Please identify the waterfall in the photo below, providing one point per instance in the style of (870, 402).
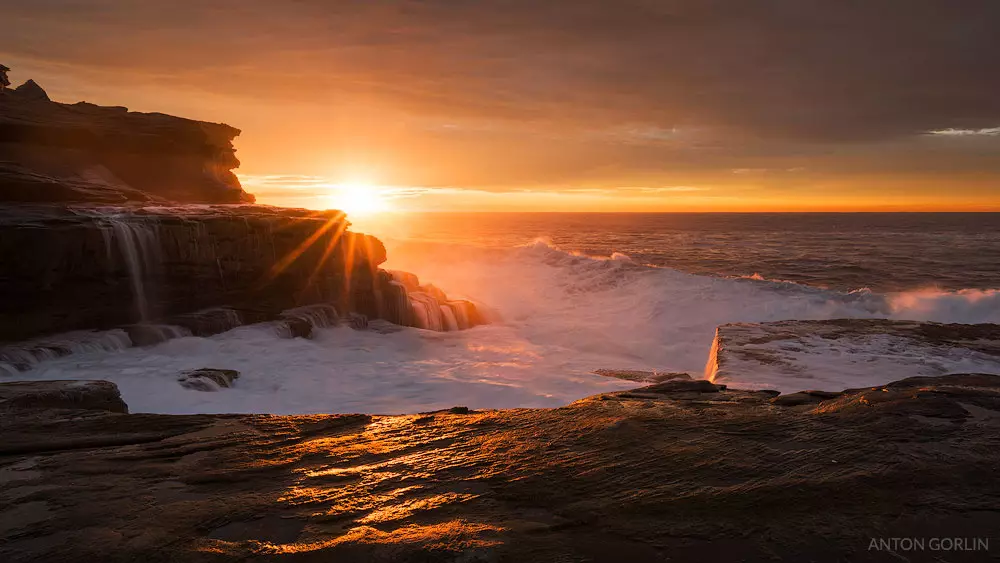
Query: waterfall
(420, 317)
(209, 321)
(427, 310)
(26, 355)
(140, 247)
(461, 314)
(149, 334)
(450, 321)
(396, 304)
(319, 316)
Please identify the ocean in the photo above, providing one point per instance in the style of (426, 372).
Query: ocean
(843, 251)
(572, 293)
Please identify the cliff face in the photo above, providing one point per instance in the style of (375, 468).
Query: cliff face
(203, 268)
(83, 153)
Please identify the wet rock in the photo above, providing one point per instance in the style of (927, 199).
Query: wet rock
(204, 269)
(357, 321)
(383, 327)
(319, 315)
(642, 376)
(151, 334)
(684, 386)
(294, 328)
(208, 321)
(208, 379)
(866, 351)
(70, 395)
(804, 398)
(665, 478)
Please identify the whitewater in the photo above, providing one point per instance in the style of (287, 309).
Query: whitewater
(556, 316)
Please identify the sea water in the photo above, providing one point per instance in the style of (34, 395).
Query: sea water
(571, 293)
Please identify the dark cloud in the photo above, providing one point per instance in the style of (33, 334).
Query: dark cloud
(622, 84)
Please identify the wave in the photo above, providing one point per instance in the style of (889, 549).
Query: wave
(558, 317)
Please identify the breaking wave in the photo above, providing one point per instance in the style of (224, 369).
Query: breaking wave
(557, 317)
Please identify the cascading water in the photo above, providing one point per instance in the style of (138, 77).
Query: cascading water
(461, 314)
(319, 316)
(450, 321)
(427, 311)
(395, 305)
(25, 355)
(140, 247)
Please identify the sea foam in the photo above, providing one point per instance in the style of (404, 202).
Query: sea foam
(556, 316)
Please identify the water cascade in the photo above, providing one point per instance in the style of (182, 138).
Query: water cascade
(408, 303)
(461, 313)
(140, 248)
(319, 316)
(25, 355)
(301, 321)
(450, 321)
(146, 334)
(428, 311)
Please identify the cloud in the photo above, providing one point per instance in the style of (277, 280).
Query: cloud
(668, 189)
(495, 93)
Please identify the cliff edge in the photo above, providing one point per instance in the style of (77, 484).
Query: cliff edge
(83, 153)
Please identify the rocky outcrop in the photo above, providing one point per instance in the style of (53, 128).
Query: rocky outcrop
(83, 153)
(203, 269)
(654, 474)
(96, 269)
(33, 396)
(816, 354)
(208, 379)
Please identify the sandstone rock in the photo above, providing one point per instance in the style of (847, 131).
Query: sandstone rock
(684, 386)
(143, 157)
(663, 478)
(642, 376)
(804, 398)
(30, 90)
(67, 270)
(68, 395)
(208, 379)
(864, 351)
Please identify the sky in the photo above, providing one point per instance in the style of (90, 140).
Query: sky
(561, 105)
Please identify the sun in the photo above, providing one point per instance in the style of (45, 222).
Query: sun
(357, 198)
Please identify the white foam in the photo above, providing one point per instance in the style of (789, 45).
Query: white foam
(558, 317)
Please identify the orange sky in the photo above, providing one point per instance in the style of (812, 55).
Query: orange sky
(568, 106)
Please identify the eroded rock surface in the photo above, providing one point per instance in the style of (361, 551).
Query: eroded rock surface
(67, 395)
(707, 474)
(205, 269)
(83, 153)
